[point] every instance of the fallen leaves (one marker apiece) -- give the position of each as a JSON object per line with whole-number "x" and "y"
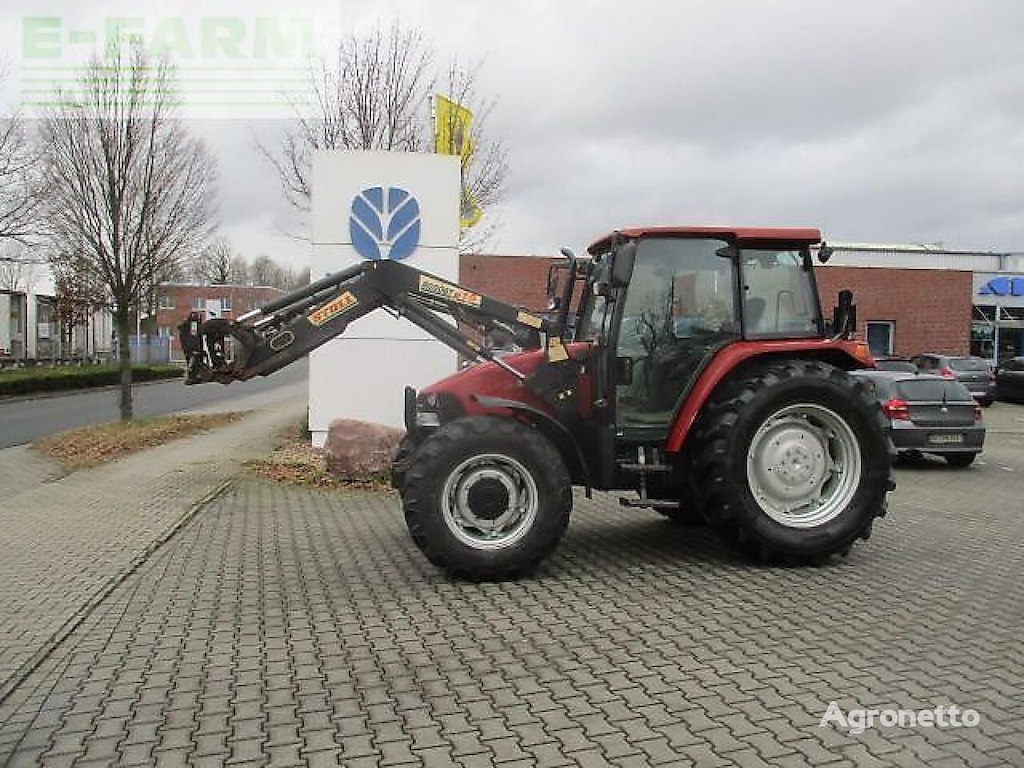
{"x": 297, "y": 462}
{"x": 99, "y": 444}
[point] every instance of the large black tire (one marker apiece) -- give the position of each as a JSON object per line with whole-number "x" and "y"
{"x": 486, "y": 498}
{"x": 796, "y": 461}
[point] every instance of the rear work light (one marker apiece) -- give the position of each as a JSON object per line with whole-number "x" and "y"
{"x": 947, "y": 373}
{"x": 896, "y": 409}
{"x": 977, "y": 412}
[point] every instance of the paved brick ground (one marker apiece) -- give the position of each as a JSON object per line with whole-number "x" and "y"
{"x": 64, "y": 537}
{"x": 292, "y": 627}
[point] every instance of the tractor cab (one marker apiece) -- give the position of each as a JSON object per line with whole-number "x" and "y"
{"x": 662, "y": 303}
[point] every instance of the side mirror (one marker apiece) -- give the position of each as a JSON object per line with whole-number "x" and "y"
{"x": 844, "y": 316}
{"x": 622, "y": 264}
{"x": 825, "y": 252}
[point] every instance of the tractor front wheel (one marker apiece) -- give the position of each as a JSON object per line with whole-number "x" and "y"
{"x": 400, "y": 461}
{"x": 486, "y": 498}
{"x": 797, "y": 460}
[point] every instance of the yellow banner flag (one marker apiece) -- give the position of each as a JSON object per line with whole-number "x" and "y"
{"x": 451, "y": 129}
{"x": 451, "y": 137}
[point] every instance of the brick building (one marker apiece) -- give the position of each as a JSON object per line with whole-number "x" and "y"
{"x": 904, "y": 311}
{"x": 176, "y": 300}
{"x": 910, "y": 299}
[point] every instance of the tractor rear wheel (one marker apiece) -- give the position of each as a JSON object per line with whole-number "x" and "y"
{"x": 796, "y": 459}
{"x": 486, "y": 498}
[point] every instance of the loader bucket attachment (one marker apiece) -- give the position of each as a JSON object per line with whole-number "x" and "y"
{"x": 215, "y": 350}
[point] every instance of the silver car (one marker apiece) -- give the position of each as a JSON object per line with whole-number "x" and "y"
{"x": 975, "y": 373}
{"x": 928, "y": 414}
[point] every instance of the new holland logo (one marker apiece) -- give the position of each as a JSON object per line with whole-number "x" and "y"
{"x": 384, "y": 223}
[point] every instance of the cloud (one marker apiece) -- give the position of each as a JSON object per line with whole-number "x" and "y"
{"x": 872, "y": 119}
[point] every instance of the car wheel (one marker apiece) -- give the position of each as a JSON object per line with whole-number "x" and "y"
{"x": 960, "y": 459}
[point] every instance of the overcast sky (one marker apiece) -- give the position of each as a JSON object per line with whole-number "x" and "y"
{"x": 876, "y": 120}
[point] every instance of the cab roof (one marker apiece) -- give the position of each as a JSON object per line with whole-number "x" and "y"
{"x": 742, "y": 235}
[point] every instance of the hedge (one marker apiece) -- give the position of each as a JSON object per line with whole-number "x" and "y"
{"x": 24, "y": 381}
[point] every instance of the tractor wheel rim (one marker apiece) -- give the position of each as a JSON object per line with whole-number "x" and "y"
{"x": 803, "y": 465}
{"x": 490, "y": 501}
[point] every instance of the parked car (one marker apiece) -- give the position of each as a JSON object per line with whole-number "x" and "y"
{"x": 893, "y": 363}
{"x": 1010, "y": 380}
{"x": 929, "y": 414}
{"x": 975, "y": 373}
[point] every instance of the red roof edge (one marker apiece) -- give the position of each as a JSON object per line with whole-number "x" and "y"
{"x": 741, "y": 235}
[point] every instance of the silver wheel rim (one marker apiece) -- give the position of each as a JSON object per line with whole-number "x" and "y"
{"x": 490, "y": 501}
{"x": 803, "y": 466}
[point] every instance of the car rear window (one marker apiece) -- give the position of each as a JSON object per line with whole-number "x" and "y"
{"x": 902, "y": 366}
{"x": 931, "y": 389}
{"x": 968, "y": 364}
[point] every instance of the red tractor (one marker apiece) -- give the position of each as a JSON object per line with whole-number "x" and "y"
{"x": 689, "y": 364}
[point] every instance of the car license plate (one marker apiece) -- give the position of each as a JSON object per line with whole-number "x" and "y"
{"x": 945, "y": 439}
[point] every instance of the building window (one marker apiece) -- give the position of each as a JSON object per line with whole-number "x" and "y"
{"x": 164, "y": 331}
{"x": 880, "y": 334}
{"x": 166, "y": 302}
{"x": 198, "y": 302}
{"x": 225, "y": 303}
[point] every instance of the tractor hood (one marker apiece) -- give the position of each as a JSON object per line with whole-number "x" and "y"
{"x": 488, "y": 379}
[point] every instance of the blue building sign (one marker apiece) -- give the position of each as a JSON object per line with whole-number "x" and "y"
{"x": 1003, "y": 285}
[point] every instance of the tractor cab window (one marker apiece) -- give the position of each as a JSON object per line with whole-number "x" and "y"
{"x": 679, "y": 309}
{"x": 779, "y": 297}
{"x": 596, "y": 312}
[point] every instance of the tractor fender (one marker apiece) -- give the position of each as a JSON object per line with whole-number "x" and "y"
{"x": 842, "y": 354}
{"x": 559, "y": 436}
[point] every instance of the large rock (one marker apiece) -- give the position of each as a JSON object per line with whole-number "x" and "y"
{"x": 355, "y": 450}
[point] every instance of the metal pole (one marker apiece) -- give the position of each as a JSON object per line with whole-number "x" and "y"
{"x": 995, "y": 337}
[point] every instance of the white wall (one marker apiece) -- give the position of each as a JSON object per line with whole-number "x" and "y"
{"x": 5, "y": 324}
{"x": 362, "y": 374}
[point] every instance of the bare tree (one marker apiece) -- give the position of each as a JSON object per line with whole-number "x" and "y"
{"x": 19, "y": 179}
{"x": 19, "y": 270}
{"x": 485, "y": 164}
{"x": 376, "y": 95}
{"x": 265, "y": 271}
{"x": 297, "y": 280}
{"x": 79, "y": 293}
{"x": 219, "y": 264}
{"x": 128, "y": 189}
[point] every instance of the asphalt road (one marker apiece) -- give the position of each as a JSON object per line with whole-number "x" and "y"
{"x": 23, "y": 420}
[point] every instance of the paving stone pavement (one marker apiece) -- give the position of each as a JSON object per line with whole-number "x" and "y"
{"x": 64, "y": 537}
{"x": 286, "y": 626}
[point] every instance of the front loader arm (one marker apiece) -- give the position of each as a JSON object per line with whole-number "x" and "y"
{"x": 291, "y": 327}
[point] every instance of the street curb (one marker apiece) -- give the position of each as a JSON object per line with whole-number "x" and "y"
{"x": 82, "y": 390}
{"x": 12, "y": 683}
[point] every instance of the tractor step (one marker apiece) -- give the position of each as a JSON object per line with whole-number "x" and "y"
{"x": 646, "y": 469}
{"x": 658, "y": 504}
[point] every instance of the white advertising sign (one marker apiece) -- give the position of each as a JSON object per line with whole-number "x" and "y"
{"x": 380, "y": 205}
